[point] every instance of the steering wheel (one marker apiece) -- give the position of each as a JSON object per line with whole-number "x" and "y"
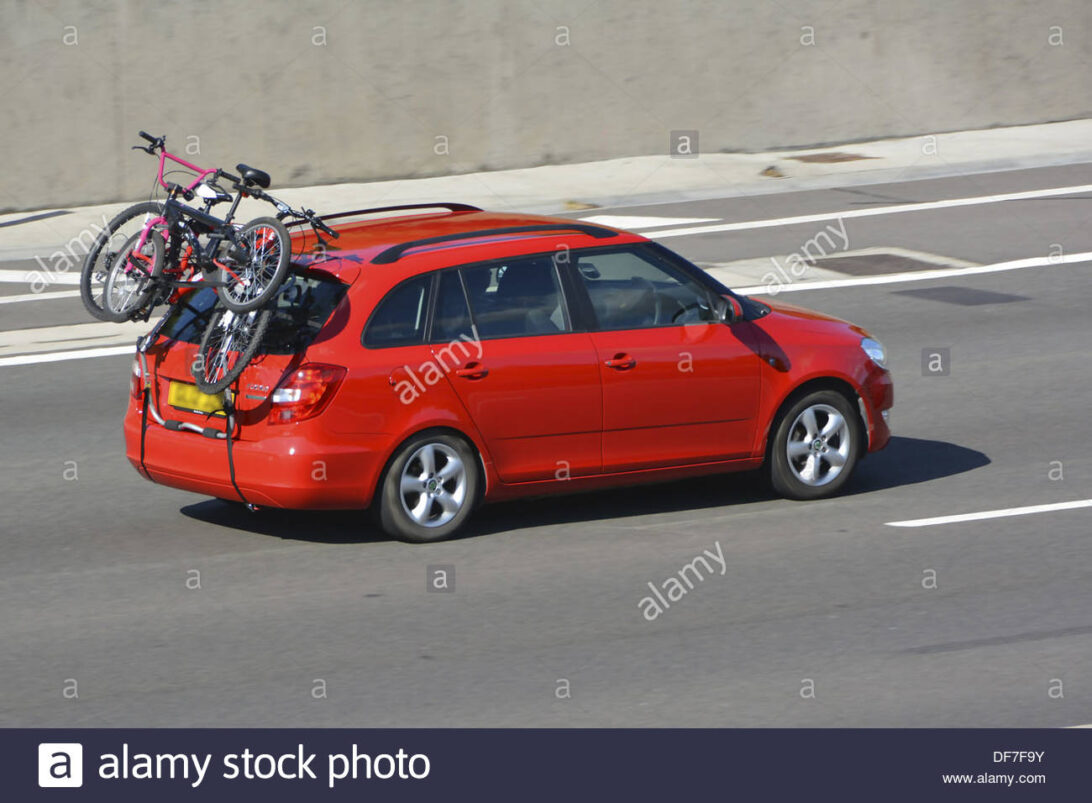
{"x": 650, "y": 289}
{"x": 685, "y": 308}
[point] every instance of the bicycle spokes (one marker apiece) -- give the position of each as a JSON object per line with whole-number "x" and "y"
{"x": 230, "y": 338}
{"x": 262, "y": 256}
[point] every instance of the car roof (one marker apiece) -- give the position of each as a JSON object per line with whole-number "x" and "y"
{"x": 364, "y": 242}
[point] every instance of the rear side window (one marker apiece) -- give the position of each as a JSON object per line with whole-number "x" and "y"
{"x": 451, "y": 321}
{"x": 303, "y": 307}
{"x": 399, "y": 319}
{"x": 517, "y": 297}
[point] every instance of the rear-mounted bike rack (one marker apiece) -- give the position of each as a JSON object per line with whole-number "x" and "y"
{"x": 142, "y": 345}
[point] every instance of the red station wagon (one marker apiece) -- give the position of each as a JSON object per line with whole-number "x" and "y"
{"x": 449, "y": 356}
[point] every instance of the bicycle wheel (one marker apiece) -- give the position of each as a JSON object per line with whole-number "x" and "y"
{"x": 131, "y": 280}
{"x": 251, "y": 281}
{"x": 227, "y": 346}
{"x": 105, "y": 248}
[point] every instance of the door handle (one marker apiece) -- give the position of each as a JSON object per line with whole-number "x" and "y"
{"x": 472, "y": 370}
{"x": 621, "y": 362}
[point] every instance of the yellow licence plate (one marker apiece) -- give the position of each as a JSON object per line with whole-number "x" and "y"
{"x": 188, "y": 397}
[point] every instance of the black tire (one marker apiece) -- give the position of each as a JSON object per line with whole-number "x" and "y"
{"x": 392, "y": 504}
{"x": 214, "y": 369}
{"x": 268, "y": 250}
{"x": 127, "y": 293}
{"x": 790, "y": 473}
{"x": 104, "y": 250}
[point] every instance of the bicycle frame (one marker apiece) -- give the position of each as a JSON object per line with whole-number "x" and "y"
{"x": 217, "y": 226}
{"x": 201, "y": 172}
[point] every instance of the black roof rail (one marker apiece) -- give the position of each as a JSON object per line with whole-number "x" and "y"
{"x": 397, "y": 208}
{"x": 395, "y": 252}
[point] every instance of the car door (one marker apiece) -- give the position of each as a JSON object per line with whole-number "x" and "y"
{"x": 678, "y": 385}
{"x": 530, "y": 384}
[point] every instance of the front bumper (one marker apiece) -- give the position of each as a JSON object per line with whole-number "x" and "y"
{"x": 877, "y": 397}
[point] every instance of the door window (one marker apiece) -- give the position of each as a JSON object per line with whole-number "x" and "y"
{"x": 451, "y": 320}
{"x": 630, "y": 291}
{"x": 517, "y": 297}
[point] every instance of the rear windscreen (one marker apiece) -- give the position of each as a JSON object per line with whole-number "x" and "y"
{"x": 303, "y": 306}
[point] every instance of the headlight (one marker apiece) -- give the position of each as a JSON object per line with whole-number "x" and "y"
{"x": 875, "y": 351}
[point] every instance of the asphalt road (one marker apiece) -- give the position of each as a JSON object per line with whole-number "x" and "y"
{"x": 544, "y": 626}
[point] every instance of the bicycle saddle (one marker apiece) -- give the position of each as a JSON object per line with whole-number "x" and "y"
{"x": 252, "y": 175}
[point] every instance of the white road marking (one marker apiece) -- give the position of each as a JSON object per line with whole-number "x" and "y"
{"x": 38, "y": 276}
{"x": 635, "y": 222}
{"x": 23, "y": 342}
{"x": 874, "y": 211}
{"x": 60, "y": 356}
{"x": 39, "y": 296}
{"x": 920, "y": 275}
{"x": 992, "y": 514}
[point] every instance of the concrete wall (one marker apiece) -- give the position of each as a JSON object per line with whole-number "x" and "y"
{"x": 341, "y": 90}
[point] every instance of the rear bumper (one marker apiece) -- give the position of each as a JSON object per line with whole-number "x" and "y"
{"x": 287, "y": 471}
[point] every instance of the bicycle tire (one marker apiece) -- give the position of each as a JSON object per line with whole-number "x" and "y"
{"x": 256, "y": 284}
{"x": 99, "y": 253}
{"x": 131, "y": 301}
{"x": 211, "y": 372}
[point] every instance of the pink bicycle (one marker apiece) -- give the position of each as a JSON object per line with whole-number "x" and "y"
{"x": 152, "y": 250}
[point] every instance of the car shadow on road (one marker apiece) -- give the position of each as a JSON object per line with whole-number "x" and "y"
{"x": 905, "y": 461}
{"x": 318, "y": 526}
{"x": 909, "y": 461}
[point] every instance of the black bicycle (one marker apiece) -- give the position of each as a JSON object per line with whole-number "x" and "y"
{"x": 179, "y": 246}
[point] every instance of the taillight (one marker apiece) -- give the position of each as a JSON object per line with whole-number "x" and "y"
{"x": 136, "y": 381}
{"x": 305, "y": 393}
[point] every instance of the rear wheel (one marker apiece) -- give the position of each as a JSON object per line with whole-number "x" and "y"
{"x": 429, "y": 488}
{"x": 256, "y": 266}
{"x": 105, "y": 249}
{"x": 815, "y": 446}
{"x": 228, "y": 344}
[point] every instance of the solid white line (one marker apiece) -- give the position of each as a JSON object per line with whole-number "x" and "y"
{"x": 39, "y": 296}
{"x": 917, "y": 276}
{"x": 645, "y": 221}
{"x": 45, "y": 277}
{"x": 878, "y": 210}
{"x": 60, "y": 356}
{"x": 992, "y": 514}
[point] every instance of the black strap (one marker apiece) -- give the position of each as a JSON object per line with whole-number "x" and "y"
{"x": 144, "y": 431}
{"x": 230, "y": 408}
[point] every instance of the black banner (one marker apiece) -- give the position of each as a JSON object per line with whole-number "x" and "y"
{"x": 527, "y": 765}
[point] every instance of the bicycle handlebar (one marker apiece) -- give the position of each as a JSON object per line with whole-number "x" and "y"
{"x": 154, "y": 143}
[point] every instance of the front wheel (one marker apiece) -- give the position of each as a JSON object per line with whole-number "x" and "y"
{"x": 105, "y": 250}
{"x": 429, "y": 488}
{"x": 228, "y": 344}
{"x": 815, "y": 446}
{"x": 254, "y": 268}
{"x": 131, "y": 279}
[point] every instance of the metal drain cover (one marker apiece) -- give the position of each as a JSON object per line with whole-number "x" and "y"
{"x": 876, "y": 263}
{"x": 963, "y": 296}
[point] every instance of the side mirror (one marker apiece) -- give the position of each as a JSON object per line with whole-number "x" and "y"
{"x": 729, "y": 310}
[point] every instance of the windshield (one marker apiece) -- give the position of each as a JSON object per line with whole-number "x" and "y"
{"x": 303, "y": 306}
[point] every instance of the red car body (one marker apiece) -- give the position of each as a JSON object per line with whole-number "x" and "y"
{"x": 544, "y": 414}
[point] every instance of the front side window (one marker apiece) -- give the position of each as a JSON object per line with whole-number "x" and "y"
{"x": 516, "y": 297}
{"x": 631, "y": 291}
{"x": 399, "y": 319}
